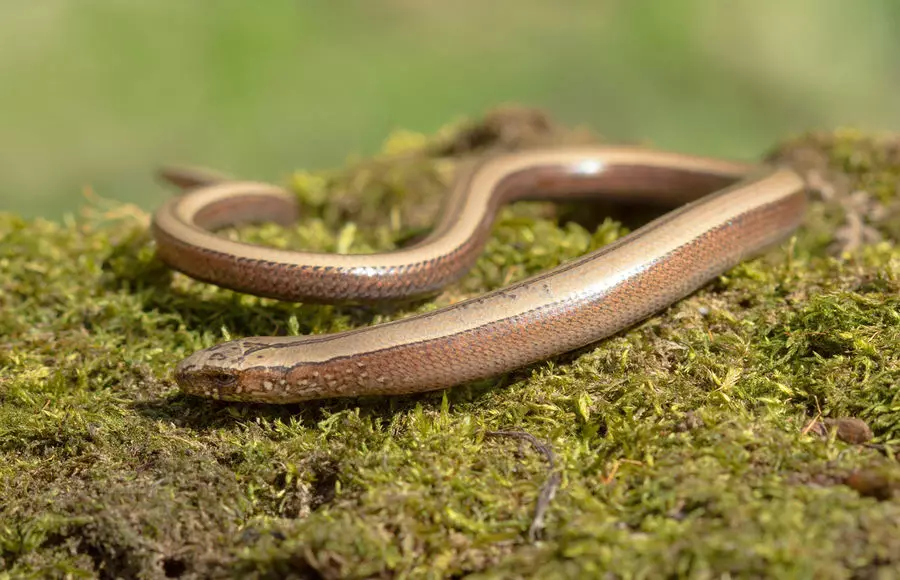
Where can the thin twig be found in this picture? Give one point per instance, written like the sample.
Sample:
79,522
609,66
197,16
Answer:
548,490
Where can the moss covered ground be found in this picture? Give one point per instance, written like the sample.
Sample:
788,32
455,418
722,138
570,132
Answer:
711,440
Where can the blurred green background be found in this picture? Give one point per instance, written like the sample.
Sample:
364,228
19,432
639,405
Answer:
98,92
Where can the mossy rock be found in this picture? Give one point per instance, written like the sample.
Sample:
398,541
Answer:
695,444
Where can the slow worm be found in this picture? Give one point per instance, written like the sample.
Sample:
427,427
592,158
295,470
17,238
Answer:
727,212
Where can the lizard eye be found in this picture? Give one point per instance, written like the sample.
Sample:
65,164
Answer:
221,378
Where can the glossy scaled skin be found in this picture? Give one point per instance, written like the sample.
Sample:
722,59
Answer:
569,307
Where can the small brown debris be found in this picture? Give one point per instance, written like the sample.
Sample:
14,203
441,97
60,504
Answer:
847,429
690,422
548,490
871,483
850,430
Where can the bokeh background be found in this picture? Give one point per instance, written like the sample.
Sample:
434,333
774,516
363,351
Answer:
98,92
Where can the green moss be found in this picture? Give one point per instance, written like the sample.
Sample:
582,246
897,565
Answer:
682,443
